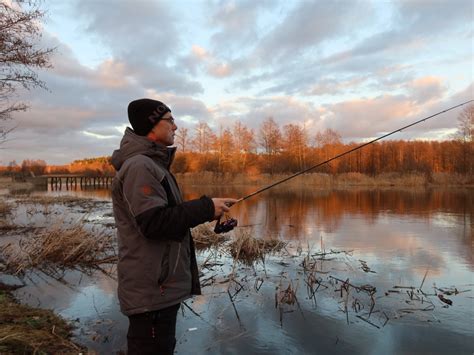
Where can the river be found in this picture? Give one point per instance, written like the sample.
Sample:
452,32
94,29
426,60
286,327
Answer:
390,239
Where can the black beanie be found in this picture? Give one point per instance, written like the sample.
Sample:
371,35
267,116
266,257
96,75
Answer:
144,114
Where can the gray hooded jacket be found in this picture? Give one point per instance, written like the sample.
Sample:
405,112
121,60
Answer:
157,264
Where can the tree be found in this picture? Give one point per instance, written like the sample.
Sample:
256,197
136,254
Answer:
465,134
20,56
203,138
182,139
33,167
271,140
270,136
244,140
224,147
295,142
466,124
329,141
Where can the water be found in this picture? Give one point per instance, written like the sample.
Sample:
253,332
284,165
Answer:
401,235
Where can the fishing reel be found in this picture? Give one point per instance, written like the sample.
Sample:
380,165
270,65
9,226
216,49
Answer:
225,226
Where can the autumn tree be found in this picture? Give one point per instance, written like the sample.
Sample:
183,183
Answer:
244,144
295,143
329,143
203,138
33,167
270,139
20,55
224,147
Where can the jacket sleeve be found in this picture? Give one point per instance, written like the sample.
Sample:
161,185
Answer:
154,215
174,222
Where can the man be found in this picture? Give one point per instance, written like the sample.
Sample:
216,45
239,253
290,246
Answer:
157,267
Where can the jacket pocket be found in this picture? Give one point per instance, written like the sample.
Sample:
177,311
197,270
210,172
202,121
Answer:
165,265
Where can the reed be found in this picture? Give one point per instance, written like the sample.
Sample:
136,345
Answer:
5,208
61,246
50,200
205,238
248,249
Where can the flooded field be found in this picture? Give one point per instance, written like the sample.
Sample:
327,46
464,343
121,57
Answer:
362,271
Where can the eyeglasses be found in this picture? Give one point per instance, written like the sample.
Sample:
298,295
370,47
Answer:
170,120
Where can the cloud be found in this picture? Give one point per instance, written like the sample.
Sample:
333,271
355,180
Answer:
201,59
145,36
427,89
310,24
373,117
237,24
359,67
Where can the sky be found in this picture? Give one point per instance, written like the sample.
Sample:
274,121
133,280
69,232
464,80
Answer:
360,67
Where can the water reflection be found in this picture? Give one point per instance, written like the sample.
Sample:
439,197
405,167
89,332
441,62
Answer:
399,233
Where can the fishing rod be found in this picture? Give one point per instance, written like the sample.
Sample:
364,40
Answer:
231,223
348,151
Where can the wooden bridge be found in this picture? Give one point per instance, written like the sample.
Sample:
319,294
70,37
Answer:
70,181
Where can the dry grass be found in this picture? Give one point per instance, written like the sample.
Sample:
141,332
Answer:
61,246
204,237
5,208
248,249
26,330
50,200
328,180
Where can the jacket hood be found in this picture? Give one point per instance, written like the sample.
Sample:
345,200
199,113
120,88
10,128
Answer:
132,144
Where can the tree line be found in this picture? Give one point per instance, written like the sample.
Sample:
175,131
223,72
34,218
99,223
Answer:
272,149
289,149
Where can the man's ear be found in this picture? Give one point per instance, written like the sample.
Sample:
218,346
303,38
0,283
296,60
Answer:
151,136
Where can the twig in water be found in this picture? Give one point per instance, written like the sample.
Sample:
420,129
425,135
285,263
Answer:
368,321
235,309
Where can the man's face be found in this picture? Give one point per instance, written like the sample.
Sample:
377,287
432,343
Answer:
163,132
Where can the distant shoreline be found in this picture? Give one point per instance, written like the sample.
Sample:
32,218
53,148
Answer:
346,180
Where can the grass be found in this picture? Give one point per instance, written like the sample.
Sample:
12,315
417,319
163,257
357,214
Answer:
26,330
61,246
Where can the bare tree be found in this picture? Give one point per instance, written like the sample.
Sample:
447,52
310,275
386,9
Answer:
182,139
244,143
295,143
270,139
203,138
466,124
270,136
20,56
465,134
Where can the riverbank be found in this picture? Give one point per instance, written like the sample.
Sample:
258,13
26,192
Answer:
7,183
26,330
346,180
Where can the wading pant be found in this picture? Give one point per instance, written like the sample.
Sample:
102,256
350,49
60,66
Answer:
153,332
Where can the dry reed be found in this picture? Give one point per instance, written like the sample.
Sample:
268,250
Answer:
248,249
204,237
5,208
62,246
50,200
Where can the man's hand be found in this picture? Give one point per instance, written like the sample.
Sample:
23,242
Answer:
221,205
